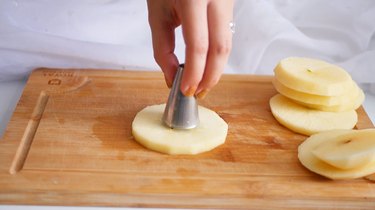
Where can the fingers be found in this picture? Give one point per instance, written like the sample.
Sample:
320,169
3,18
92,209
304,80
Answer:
163,45
163,38
208,40
193,15
220,44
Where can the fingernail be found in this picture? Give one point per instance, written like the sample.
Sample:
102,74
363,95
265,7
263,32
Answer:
169,84
202,94
190,91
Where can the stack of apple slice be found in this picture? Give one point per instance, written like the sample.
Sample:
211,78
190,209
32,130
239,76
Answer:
340,154
314,96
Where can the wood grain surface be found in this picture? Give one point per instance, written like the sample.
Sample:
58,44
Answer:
69,142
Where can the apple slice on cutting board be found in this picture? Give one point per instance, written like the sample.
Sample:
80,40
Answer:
340,154
319,99
313,76
309,121
314,99
317,96
347,151
353,104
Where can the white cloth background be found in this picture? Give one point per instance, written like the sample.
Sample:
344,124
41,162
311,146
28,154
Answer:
115,35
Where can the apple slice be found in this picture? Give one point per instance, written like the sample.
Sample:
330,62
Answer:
314,164
149,130
313,99
352,105
348,151
308,121
313,76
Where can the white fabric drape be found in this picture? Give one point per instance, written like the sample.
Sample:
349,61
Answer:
115,35
341,32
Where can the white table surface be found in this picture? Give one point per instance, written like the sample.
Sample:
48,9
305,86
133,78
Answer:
11,91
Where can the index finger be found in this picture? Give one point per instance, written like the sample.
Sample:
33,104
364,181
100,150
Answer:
163,39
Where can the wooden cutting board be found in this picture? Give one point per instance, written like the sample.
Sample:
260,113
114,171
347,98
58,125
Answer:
69,142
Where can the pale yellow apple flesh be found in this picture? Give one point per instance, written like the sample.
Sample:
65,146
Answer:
149,130
351,105
303,120
313,163
313,99
348,151
319,99
313,76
